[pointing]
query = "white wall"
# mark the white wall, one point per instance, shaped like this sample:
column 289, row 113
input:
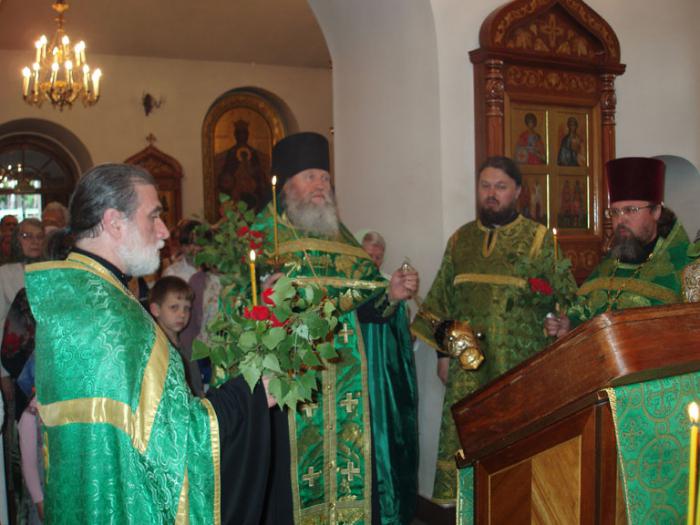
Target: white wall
column 116, row 127
column 386, row 120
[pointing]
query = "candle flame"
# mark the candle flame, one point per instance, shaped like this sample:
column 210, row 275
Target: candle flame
column 693, row 412
column 554, row 231
column 252, row 255
column 274, row 180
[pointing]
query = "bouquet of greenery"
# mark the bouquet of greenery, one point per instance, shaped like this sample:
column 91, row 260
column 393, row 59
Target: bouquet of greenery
column 549, row 288
column 288, row 338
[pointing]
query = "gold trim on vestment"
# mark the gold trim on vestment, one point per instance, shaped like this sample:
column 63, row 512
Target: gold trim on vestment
column 638, row 286
column 216, row 459
column 77, row 261
column 321, row 245
column 366, row 420
column 612, row 398
column 183, row 504
column 136, row 425
column 340, row 282
column 489, row 278
column 537, row 241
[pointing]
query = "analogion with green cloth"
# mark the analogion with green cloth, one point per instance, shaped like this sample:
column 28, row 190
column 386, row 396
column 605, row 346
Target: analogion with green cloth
column 477, row 282
column 331, row 437
column 653, row 438
column 616, row 285
column 125, row 441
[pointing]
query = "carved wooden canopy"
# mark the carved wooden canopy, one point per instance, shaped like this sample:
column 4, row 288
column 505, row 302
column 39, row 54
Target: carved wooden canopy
column 544, row 95
column 168, row 174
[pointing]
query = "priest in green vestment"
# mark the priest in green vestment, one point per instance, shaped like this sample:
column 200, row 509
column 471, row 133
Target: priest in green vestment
column 649, row 251
column 474, row 282
column 326, row 466
column 124, row 440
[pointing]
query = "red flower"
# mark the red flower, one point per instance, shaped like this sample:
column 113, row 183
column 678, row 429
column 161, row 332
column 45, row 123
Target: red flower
column 242, row 231
column 254, row 245
column 257, row 234
column 267, row 297
column 276, row 322
column 541, row 286
column 258, row 313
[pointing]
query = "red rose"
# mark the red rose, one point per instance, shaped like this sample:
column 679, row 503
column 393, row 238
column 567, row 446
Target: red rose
column 258, row 313
column 242, row 231
column 541, row 286
column 254, row 245
column 257, row 234
column 267, row 297
column 276, row 322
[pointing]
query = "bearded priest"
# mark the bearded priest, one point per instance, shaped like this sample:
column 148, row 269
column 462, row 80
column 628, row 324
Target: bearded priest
column 326, row 466
column 650, row 248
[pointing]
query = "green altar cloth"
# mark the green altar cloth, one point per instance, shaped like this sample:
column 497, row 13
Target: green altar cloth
column 465, row 496
column 653, row 441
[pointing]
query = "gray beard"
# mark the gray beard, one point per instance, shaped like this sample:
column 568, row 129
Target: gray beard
column 320, row 219
column 627, row 250
column 138, row 258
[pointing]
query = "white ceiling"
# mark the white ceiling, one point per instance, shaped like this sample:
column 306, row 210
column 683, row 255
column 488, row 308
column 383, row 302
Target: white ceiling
column 280, row 32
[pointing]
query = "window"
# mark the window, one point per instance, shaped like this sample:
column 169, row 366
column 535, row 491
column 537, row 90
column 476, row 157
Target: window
column 35, row 171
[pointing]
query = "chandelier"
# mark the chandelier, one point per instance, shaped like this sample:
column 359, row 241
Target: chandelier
column 60, row 73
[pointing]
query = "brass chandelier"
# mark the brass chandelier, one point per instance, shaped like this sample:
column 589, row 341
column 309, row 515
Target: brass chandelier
column 60, row 73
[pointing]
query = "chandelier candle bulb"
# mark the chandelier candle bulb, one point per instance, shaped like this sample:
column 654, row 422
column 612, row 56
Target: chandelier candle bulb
column 253, row 280
column 96, row 75
column 694, row 415
column 274, row 214
column 26, row 74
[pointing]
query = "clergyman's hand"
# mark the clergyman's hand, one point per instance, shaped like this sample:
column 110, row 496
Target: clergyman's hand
column 557, row 326
column 403, row 284
column 271, row 401
column 271, row 280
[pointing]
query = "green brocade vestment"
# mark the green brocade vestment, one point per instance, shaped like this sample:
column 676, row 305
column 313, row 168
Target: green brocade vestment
column 471, row 285
column 125, row 441
column 616, row 286
column 331, row 437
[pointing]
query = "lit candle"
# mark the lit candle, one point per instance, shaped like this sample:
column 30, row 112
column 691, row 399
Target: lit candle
column 253, row 282
column 35, row 67
column 693, row 414
column 274, row 214
column 86, row 77
column 38, row 46
column 26, row 73
column 43, row 41
column 556, row 247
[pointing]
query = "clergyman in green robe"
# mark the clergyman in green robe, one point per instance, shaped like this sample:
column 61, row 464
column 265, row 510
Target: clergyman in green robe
column 327, row 468
column 474, row 283
column 650, row 248
column 124, row 439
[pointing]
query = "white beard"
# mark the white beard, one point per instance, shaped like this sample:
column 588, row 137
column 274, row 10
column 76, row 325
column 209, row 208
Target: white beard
column 313, row 218
column 139, row 258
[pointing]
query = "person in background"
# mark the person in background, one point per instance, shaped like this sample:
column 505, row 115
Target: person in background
column 54, row 217
column 170, row 303
column 8, row 225
column 183, row 266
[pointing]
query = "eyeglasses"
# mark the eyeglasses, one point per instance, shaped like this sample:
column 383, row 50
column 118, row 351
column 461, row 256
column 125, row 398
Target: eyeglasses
column 32, row 236
column 626, row 210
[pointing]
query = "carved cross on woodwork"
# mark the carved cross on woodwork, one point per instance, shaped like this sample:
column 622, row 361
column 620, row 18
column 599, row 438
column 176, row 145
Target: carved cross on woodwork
column 552, row 30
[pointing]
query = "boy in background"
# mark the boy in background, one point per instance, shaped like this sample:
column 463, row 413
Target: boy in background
column 170, row 302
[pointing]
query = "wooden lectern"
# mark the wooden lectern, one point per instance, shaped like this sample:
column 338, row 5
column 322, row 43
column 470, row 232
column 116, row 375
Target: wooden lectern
column 541, row 438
